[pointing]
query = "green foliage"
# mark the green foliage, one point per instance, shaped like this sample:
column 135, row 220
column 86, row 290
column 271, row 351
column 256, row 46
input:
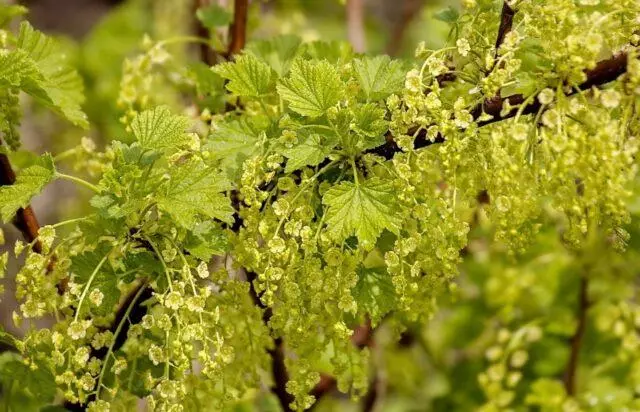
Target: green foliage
column 295, row 203
column 362, row 209
column 311, row 88
column 29, row 182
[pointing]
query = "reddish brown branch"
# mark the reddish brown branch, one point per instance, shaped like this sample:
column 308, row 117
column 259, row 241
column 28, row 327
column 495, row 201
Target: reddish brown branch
column 25, row 220
column 604, row 72
column 355, row 25
column 238, row 29
column 577, row 338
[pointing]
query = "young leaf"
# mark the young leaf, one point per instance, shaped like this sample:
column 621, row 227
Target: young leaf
column 379, row 76
column 314, row 148
column 248, row 76
column 374, row 293
column 159, row 129
column 58, row 86
column 29, row 182
column 277, row 52
column 205, row 240
column 363, row 209
column 370, row 124
column 195, row 190
column 213, row 16
column 311, row 88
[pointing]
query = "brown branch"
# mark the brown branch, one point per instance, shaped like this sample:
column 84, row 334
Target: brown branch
column 577, row 338
column 238, row 29
column 604, row 72
column 506, row 23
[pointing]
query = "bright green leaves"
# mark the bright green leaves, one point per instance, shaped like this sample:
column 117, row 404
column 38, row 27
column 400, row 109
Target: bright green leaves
column 56, row 84
column 374, row 293
column 315, row 146
column 159, row 129
column 232, row 142
column 379, row 76
column 213, row 16
column 363, row 209
column 370, row 125
column 311, row 88
column 194, row 191
column 29, row 182
column 93, row 272
column 248, row 76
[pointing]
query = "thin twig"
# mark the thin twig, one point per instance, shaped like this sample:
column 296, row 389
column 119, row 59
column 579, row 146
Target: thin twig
column 577, row 338
column 238, row 29
column 604, row 72
column 207, row 55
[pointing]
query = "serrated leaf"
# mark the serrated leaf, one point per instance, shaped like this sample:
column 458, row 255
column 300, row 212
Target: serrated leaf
column 159, row 129
column 316, row 145
column 277, row 52
column 379, row 76
column 232, row 142
column 363, row 209
column 195, row 191
column 93, row 266
column 374, row 293
column 15, row 65
column 248, row 76
column 29, row 182
column 58, row 86
column 311, row 88
column 370, row 124
column 213, row 16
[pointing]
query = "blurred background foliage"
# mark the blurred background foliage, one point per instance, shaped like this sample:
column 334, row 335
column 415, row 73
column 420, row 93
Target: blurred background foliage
column 503, row 336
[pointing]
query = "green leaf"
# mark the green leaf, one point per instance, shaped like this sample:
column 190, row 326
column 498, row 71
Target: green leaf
column 232, row 142
column 363, row 209
column 370, row 124
column 316, row 145
column 194, row 191
column 29, row 182
column 213, row 16
column 379, row 76
column 448, row 15
column 374, row 293
column 335, row 52
column 205, row 240
column 84, row 266
column 311, row 88
column 15, row 66
column 248, row 76
column 57, row 86
column 23, row 388
column 277, row 52
column 159, row 129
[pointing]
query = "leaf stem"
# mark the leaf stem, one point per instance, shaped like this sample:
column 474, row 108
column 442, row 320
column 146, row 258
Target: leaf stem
column 89, row 282
column 115, row 335
column 79, row 181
